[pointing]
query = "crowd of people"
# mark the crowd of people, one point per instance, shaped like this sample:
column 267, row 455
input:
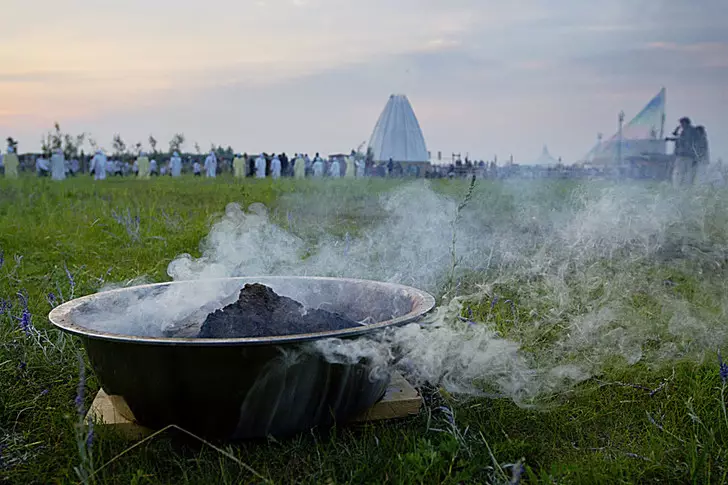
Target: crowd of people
column 691, row 154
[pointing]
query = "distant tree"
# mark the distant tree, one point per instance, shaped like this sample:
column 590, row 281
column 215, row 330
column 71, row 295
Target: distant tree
column 153, row 143
column 72, row 145
column 138, row 147
column 197, row 148
column 45, row 146
column 69, row 144
column 175, row 144
column 119, row 145
column 56, row 137
column 94, row 145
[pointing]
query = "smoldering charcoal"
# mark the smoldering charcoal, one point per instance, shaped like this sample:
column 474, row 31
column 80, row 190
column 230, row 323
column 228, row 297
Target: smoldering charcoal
column 260, row 312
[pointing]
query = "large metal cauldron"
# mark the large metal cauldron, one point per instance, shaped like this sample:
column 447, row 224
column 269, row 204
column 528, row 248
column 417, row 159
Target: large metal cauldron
column 243, row 387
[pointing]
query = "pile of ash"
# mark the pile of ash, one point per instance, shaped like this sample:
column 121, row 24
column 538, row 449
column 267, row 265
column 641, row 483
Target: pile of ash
column 260, row 312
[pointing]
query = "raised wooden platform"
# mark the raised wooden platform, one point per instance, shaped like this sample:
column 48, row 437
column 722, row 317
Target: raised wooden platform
column 401, row 400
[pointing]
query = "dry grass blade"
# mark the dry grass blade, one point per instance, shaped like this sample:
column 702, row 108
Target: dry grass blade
column 202, row 440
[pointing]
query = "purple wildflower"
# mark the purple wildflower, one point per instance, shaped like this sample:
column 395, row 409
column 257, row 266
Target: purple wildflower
column 513, row 308
column 23, row 297
column 25, row 318
column 517, row 473
column 90, row 434
column 5, row 306
column 722, row 368
column 2, row 258
column 26, row 322
column 60, row 293
column 71, row 281
column 22, row 366
column 81, row 386
column 44, row 392
column 51, row 299
column 493, row 303
column 448, row 414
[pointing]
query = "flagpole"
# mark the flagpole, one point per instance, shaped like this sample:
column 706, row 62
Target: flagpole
column 619, row 142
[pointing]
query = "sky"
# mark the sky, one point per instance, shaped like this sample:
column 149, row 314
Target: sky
column 485, row 77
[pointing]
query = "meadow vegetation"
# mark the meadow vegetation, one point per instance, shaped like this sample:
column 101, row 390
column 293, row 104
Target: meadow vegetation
column 651, row 410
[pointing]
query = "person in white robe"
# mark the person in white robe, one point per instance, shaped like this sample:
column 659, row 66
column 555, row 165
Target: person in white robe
column 260, row 167
column 211, row 165
column 98, row 165
column 175, row 165
column 299, row 167
column 153, row 170
column 361, row 166
column 11, row 163
column 196, row 169
column 143, row 166
column 239, row 166
column 42, row 167
column 275, row 167
column 335, row 169
column 318, row 167
column 58, row 165
column 350, row 166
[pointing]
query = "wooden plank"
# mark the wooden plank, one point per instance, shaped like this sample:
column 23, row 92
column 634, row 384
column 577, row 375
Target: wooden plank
column 112, row 411
column 401, row 400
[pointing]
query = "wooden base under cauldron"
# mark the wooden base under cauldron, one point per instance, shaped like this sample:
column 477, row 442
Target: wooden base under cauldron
column 401, row 400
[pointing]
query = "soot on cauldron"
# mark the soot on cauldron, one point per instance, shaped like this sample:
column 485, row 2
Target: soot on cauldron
column 261, row 312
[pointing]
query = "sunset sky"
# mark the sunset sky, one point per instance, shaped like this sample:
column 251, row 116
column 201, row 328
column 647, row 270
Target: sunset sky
column 484, row 77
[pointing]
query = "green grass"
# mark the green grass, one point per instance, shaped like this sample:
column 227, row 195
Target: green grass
column 609, row 429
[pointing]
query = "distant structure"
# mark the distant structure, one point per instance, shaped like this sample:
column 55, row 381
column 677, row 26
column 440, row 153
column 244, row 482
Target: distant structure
column 545, row 159
column 644, row 134
column 397, row 135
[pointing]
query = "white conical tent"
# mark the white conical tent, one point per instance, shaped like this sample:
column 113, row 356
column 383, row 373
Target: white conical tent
column 545, row 160
column 397, row 134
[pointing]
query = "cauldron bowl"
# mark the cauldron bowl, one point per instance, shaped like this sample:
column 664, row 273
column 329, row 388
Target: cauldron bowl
column 241, row 388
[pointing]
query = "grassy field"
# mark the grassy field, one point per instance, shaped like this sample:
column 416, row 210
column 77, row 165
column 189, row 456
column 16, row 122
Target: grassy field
column 651, row 409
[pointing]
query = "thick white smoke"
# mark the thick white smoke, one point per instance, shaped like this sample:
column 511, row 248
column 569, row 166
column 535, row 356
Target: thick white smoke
column 570, row 276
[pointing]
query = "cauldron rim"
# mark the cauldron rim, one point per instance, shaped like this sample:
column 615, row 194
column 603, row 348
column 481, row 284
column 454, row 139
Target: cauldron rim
column 422, row 304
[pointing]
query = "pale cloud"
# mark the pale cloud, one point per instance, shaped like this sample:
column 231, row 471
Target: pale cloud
column 484, row 76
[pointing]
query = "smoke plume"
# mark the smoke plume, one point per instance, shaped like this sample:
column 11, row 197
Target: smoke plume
column 563, row 277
